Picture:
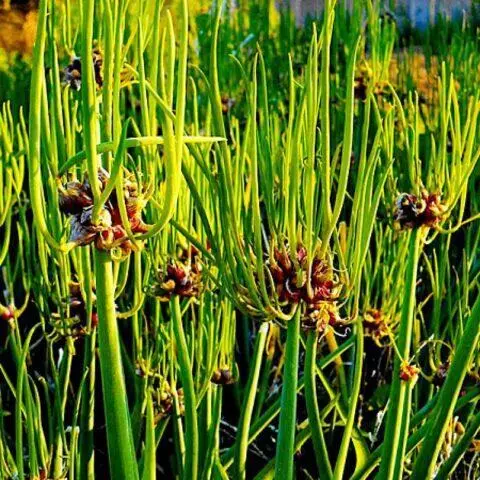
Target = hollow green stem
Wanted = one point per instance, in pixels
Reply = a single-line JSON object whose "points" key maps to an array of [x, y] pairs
{"points": [[288, 413], [119, 433], [357, 383], [241, 446]]}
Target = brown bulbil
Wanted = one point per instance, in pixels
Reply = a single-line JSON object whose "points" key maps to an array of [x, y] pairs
{"points": [[77, 305], [320, 292], [7, 314], [222, 376], [163, 402], [289, 282], [323, 285], [412, 211], [227, 104]]}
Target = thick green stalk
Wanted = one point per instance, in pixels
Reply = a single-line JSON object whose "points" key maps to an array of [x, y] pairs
{"points": [[398, 395], [288, 413], [241, 446], [321, 453], [190, 471], [121, 450], [437, 425]]}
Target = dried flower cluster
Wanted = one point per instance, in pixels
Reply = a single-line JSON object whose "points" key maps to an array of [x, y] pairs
{"points": [[76, 200], [412, 211], [72, 74], [319, 291]]}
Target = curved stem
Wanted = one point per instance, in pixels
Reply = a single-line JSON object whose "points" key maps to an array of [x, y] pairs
{"points": [[288, 413], [190, 471]]}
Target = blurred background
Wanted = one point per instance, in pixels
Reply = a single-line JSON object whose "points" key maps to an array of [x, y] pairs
{"points": [[18, 17]]}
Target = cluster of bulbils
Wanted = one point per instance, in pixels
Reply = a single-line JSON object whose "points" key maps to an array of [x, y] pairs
{"points": [[107, 231], [319, 291], [412, 211], [182, 277]]}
